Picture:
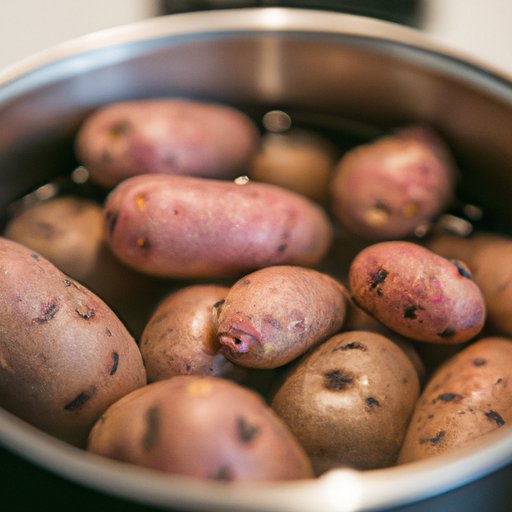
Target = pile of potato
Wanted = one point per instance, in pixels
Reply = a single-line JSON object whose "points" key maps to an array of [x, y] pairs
{"points": [[251, 305]]}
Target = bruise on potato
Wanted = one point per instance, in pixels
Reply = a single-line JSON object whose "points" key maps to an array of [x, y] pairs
{"points": [[275, 314], [462, 402], [417, 293]]}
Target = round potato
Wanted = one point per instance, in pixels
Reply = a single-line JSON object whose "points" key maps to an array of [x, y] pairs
{"points": [[349, 401], [417, 293], [467, 398], [166, 136], [205, 427], [178, 226], [64, 355]]}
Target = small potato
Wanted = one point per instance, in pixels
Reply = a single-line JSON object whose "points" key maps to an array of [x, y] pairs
{"points": [[349, 401], [273, 315], [178, 226], [69, 232], [417, 293], [468, 397], [166, 136], [387, 188], [206, 427], [179, 338], [64, 355], [298, 160]]}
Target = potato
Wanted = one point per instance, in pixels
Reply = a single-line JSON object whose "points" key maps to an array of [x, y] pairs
{"points": [[178, 226], [417, 293], [298, 160], [467, 398], [64, 355], [205, 427], [273, 315], [349, 401], [387, 188], [179, 338], [69, 231], [489, 256], [165, 136]]}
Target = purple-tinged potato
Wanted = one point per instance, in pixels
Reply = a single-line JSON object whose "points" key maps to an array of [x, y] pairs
{"points": [[166, 136], [64, 355], [468, 398], [184, 227], [349, 401], [180, 337], [417, 293], [273, 315], [205, 427], [389, 187]]}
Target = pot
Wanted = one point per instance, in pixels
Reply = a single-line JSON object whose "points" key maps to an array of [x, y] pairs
{"points": [[348, 75]]}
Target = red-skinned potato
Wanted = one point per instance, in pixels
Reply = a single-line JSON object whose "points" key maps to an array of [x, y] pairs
{"points": [[206, 427], [466, 399], [178, 226], [273, 315], [349, 401], [64, 355], [166, 136], [417, 293], [387, 188]]}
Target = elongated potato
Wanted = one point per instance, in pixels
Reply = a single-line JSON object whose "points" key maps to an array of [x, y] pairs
{"points": [[417, 293], [273, 315], [64, 355], [349, 401], [166, 136], [467, 398], [178, 226], [205, 427]]}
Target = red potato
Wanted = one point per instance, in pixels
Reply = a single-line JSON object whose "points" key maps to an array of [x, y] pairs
{"points": [[467, 398], [166, 136], [64, 355], [274, 315], [417, 293], [178, 226], [204, 427], [387, 188]]}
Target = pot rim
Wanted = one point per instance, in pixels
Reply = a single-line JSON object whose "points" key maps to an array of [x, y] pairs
{"points": [[340, 489]]}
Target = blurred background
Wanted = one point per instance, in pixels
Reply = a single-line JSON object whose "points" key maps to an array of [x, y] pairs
{"points": [[480, 28]]}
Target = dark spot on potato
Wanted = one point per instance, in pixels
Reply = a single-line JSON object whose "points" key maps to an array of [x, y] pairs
{"points": [[461, 269], [35, 256], [85, 312], [150, 437], [115, 363], [499, 381], [67, 283], [337, 380], [44, 229], [143, 243], [479, 361], [111, 218], [494, 416], [121, 128], [449, 397], [224, 474], [405, 380], [430, 416], [48, 311], [449, 332], [353, 345], [410, 311], [434, 441], [274, 322], [78, 401], [246, 431], [245, 282], [372, 402], [176, 211], [282, 247], [108, 332], [378, 278]]}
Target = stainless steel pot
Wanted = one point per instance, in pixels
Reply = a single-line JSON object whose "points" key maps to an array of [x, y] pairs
{"points": [[350, 74]]}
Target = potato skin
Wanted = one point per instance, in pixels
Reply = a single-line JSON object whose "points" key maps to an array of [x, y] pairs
{"points": [[273, 315], [467, 398], [179, 338], [69, 232], [165, 136], [205, 427], [178, 226], [417, 293], [385, 189], [64, 355], [349, 401]]}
